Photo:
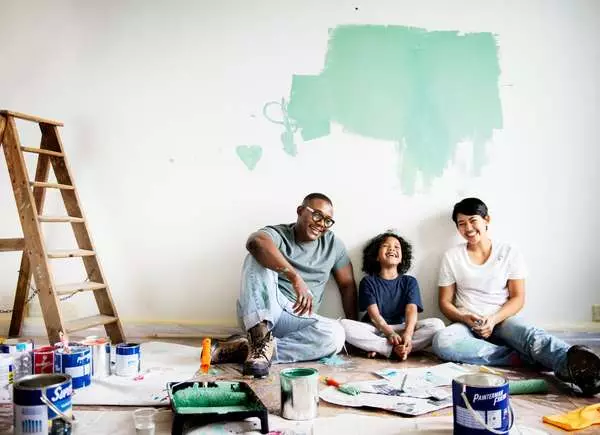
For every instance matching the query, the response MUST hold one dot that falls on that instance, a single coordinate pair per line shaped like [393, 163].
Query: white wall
[155, 97]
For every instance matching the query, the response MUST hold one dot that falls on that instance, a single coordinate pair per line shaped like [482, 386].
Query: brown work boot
[233, 349]
[262, 346]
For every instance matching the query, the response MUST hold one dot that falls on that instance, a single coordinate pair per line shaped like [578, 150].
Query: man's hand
[472, 320]
[485, 328]
[304, 298]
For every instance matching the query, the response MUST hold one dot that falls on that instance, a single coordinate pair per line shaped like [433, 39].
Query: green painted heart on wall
[249, 154]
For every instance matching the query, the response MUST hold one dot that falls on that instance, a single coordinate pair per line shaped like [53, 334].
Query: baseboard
[34, 327]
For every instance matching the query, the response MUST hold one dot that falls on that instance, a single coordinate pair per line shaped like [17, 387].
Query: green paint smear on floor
[426, 91]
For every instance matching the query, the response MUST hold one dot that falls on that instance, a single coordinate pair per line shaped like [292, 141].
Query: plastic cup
[143, 419]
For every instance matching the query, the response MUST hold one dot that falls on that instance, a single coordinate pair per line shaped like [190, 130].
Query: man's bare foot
[371, 354]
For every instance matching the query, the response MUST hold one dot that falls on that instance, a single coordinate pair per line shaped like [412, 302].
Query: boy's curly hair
[370, 264]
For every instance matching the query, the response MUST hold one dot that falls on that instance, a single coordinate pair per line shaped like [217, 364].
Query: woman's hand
[486, 327]
[471, 320]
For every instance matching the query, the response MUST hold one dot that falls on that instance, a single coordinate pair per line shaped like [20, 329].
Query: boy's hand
[394, 339]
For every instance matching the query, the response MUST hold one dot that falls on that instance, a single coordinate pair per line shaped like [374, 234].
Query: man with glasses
[283, 281]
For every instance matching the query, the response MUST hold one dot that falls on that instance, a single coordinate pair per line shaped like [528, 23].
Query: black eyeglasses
[317, 216]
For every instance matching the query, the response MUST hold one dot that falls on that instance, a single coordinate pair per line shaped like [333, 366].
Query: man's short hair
[316, 195]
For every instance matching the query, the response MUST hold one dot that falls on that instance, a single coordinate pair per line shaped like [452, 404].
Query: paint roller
[199, 397]
[528, 386]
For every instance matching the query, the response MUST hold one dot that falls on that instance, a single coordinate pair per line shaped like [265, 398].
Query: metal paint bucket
[100, 356]
[21, 351]
[42, 405]
[480, 404]
[43, 360]
[75, 362]
[6, 376]
[128, 359]
[299, 393]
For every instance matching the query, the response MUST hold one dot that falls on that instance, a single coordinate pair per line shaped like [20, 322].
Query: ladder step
[42, 151]
[30, 118]
[66, 253]
[61, 219]
[88, 322]
[51, 185]
[67, 289]
[7, 245]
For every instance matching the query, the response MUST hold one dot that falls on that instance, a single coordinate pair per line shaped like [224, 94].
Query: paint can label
[128, 359]
[486, 405]
[43, 360]
[6, 377]
[77, 363]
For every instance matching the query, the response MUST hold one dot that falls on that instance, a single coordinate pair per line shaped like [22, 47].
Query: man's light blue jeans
[297, 338]
[511, 343]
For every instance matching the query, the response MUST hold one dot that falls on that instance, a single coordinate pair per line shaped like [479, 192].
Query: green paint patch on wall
[425, 90]
[249, 154]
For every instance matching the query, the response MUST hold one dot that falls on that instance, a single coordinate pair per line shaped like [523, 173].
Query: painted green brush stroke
[427, 91]
[249, 154]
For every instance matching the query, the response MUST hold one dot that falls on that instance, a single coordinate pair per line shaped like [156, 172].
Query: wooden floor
[529, 409]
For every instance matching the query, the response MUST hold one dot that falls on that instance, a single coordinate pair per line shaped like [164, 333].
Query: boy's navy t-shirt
[390, 295]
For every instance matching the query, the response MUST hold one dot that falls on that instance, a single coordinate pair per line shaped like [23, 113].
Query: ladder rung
[61, 219]
[30, 118]
[66, 253]
[67, 289]
[88, 322]
[7, 245]
[51, 185]
[42, 151]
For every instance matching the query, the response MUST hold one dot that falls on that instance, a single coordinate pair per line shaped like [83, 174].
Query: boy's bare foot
[401, 352]
[371, 354]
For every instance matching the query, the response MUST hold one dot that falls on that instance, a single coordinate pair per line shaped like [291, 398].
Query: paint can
[100, 347]
[480, 404]
[6, 376]
[299, 393]
[42, 405]
[128, 359]
[43, 360]
[75, 361]
[21, 351]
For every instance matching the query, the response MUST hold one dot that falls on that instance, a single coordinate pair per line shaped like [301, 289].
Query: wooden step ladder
[29, 196]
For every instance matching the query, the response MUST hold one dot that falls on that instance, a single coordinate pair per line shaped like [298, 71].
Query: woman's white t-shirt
[481, 289]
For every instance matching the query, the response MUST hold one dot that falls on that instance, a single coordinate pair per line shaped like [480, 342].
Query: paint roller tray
[200, 403]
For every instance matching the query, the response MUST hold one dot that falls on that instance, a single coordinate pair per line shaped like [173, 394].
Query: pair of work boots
[255, 351]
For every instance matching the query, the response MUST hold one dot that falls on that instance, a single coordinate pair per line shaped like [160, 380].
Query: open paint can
[42, 405]
[480, 405]
[299, 393]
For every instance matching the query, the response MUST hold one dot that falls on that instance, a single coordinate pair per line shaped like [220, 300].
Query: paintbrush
[348, 389]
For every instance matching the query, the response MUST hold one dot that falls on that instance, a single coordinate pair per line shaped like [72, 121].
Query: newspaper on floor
[425, 377]
[402, 404]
